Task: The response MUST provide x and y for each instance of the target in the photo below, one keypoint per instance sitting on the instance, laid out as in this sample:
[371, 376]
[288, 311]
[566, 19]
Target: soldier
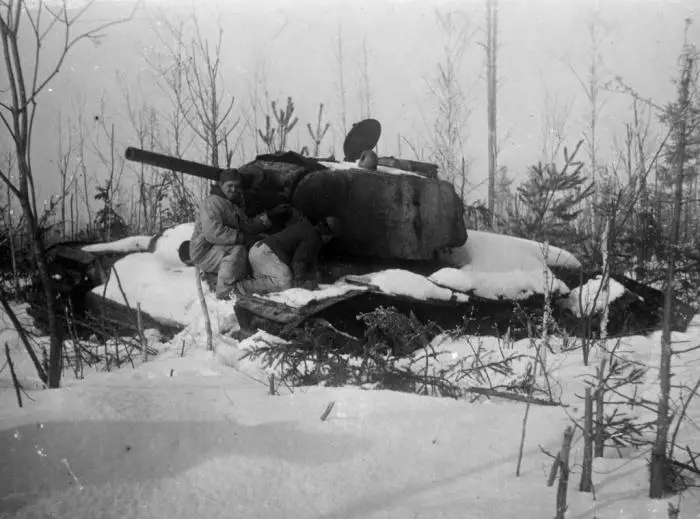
[368, 160]
[222, 234]
[288, 258]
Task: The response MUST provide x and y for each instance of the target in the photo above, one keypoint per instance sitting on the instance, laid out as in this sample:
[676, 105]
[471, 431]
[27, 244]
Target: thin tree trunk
[600, 411]
[564, 473]
[491, 72]
[586, 484]
[51, 301]
[659, 460]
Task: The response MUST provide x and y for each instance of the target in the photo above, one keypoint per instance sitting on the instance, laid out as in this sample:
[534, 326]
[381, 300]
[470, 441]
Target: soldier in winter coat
[288, 258]
[223, 232]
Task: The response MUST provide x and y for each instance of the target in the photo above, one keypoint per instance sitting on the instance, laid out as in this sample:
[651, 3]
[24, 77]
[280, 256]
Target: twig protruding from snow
[15, 381]
[72, 474]
[328, 410]
[564, 473]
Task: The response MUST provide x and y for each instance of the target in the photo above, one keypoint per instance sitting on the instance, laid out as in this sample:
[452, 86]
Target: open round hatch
[362, 136]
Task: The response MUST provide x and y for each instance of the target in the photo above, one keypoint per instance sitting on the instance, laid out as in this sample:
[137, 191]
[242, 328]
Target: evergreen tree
[550, 200]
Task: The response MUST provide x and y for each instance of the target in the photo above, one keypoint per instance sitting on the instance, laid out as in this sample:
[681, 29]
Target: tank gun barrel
[172, 163]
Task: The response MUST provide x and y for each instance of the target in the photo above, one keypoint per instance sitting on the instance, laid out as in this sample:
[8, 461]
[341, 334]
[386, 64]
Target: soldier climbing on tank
[288, 258]
[368, 160]
[223, 233]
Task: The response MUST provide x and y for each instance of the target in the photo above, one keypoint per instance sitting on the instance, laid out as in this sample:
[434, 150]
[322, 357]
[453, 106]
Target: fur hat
[230, 175]
[368, 160]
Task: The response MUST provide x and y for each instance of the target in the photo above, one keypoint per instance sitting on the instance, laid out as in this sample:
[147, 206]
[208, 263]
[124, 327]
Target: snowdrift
[490, 266]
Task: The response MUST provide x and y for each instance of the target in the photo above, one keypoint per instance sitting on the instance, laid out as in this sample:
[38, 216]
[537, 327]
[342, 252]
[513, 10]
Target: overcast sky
[293, 44]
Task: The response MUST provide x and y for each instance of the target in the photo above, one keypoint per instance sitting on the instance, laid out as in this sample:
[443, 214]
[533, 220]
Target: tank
[399, 211]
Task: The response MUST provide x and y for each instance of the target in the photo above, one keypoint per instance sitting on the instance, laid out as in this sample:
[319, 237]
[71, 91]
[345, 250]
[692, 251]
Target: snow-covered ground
[191, 433]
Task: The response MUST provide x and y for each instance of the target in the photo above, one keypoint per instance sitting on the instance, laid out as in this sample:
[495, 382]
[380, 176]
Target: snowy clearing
[194, 434]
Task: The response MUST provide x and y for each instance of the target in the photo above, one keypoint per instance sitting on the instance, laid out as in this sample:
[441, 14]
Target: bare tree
[83, 169]
[65, 152]
[342, 93]
[107, 219]
[175, 137]
[201, 100]
[212, 120]
[365, 92]
[452, 113]
[592, 85]
[8, 221]
[26, 77]
[553, 124]
[491, 81]
[678, 115]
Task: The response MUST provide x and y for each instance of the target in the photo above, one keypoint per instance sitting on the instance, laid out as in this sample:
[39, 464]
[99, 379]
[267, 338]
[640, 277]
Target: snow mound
[165, 246]
[341, 166]
[299, 297]
[168, 243]
[497, 266]
[491, 252]
[591, 298]
[409, 284]
[163, 291]
[514, 285]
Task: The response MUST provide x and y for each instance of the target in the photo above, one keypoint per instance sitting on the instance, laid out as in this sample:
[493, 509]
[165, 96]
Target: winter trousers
[270, 274]
[229, 262]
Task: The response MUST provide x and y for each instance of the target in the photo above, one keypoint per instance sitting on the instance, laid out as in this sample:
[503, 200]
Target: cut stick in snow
[72, 474]
[586, 484]
[527, 412]
[600, 412]
[554, 470]
[15, 381]
[564, 473]
[142, 337]
[271, 384]
[205, 310]
[327, 412]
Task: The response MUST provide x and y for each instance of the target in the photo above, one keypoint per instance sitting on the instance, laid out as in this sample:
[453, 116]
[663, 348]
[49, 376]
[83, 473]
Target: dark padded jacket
[221, 222]
[298, 246]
